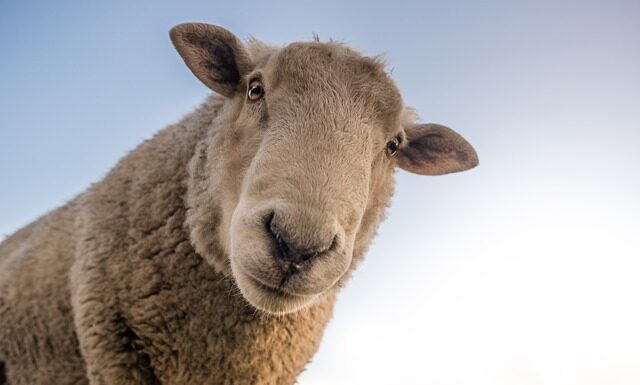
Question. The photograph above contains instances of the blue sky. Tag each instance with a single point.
(523, 270)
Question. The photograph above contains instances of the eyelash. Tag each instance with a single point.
(393, 145)
(255, 90)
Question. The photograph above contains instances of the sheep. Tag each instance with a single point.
(213, 252)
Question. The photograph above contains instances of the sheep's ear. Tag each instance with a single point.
(432, 149)
(215, 55)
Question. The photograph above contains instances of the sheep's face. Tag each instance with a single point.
(304, 161)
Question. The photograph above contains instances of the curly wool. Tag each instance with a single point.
(115, 268)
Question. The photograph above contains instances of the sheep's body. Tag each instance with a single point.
(178, 266)
(38, 344)
(117, 260)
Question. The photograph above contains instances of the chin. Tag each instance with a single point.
(269, 299)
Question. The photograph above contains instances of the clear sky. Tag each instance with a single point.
(523, 271)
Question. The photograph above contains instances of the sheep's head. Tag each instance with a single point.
(301, 160)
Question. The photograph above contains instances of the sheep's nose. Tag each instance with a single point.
(290, 248)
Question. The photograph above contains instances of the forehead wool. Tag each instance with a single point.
(340, 71)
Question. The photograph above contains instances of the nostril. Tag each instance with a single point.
(307, 256)
(334, 243)
(268, 220)
(293, 252)
(282, 249)
(271, 227)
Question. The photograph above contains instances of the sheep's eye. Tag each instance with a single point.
(255, 91)
(392, 146)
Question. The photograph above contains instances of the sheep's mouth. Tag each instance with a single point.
(271, 299)
(277, 291)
